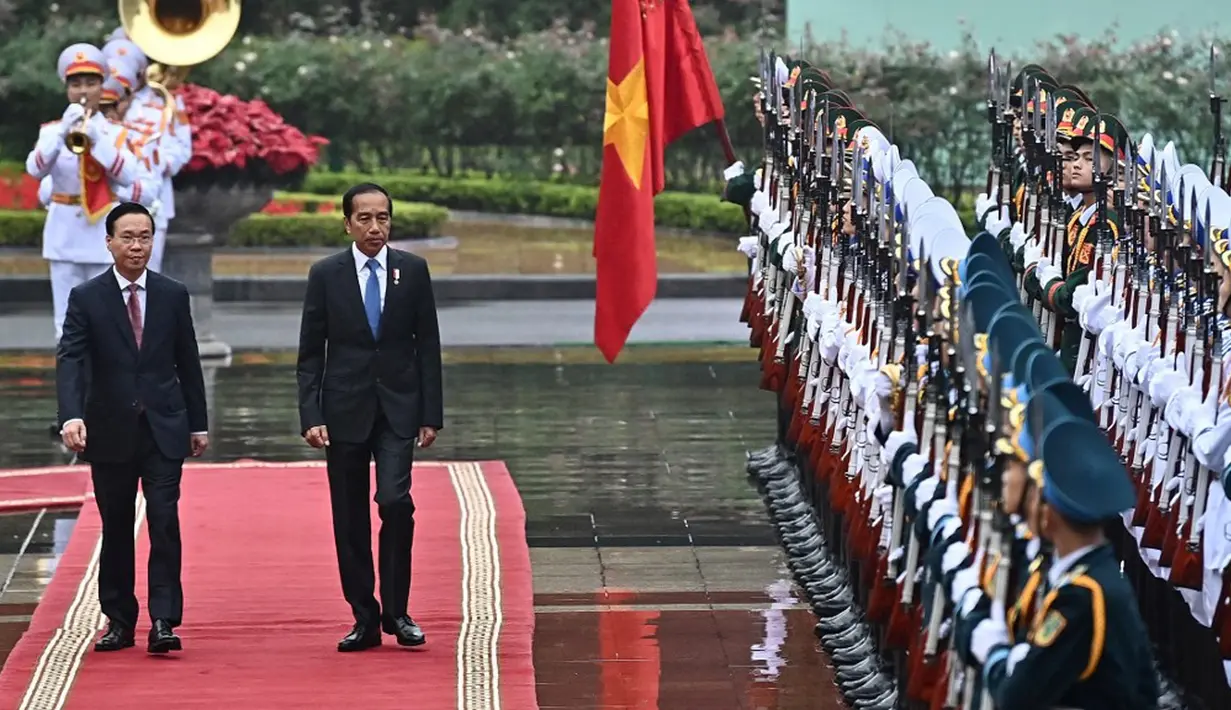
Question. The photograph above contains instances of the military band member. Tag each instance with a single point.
(174, 130)
(83, 187)
(113, 103)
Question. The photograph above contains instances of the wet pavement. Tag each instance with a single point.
(658, 582)
(262, 326)
(472, 246)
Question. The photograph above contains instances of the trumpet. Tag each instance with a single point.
(76, 139)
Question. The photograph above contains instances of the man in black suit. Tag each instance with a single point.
(369, 387)
(128, 373)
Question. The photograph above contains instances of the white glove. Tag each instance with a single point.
(912, 468)
(965, 580)
(954, 556)
(72, 114)
(156, 208)
(1033, 253)
(760, 203)
(748, 246)
(1047, 273)
(895, 441)
(1083, 293)
(1017, 236)
(938, 510)
(94, 128)
(998, 223)
(990, 632)
(734, 170)
(983, 203)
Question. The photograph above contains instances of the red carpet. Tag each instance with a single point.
(264, 610)
(32, 488)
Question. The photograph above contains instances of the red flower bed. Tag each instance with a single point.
(243, 140)
(18, 191)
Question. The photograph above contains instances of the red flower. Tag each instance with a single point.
(230, 132)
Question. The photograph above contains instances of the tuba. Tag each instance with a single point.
(177, 35)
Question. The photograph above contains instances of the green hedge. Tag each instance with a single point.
(24, 228)
(680, 210)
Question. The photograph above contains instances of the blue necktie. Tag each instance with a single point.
(371, 298)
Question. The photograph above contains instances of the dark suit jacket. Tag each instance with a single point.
(344, 372)
(102, 378)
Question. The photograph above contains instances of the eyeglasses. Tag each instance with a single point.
(129, 239)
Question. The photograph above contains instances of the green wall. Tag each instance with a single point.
(999, 24)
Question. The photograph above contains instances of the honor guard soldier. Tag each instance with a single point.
(1056, 282)
(85, 156)
(1087, 647)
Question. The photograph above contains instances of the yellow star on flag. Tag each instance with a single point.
(627, 121)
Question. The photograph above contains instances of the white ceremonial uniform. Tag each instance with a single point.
(75, 246)
(160, 156)
(176, 144)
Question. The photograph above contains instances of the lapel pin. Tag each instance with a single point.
(397, 276)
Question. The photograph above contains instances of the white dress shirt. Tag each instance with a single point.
(361, 271)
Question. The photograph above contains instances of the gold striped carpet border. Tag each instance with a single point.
(478, 662)
(57, 667)
(477, 656)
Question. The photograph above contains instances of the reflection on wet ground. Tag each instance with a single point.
(658, 582)
(472, 247)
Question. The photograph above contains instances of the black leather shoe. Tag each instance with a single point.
(848, 618)
(853, 654)
(844, 639)
(887, 700)
(405, 629)
(117, 638)
(163, 639)
(771, 450)
(361, 638)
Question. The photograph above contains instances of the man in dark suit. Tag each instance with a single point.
(128, 373)
(369, 387)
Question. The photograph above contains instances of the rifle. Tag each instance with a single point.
(1220, 142)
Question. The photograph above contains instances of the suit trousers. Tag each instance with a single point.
(348, 465)
(115, 490)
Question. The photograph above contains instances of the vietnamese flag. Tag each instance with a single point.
(659, 87)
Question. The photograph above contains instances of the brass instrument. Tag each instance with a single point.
(186, 32)
(76, 139)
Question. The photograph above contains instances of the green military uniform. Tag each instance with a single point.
(1081, 241)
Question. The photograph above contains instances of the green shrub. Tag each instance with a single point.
(24, 228)
(680, 210)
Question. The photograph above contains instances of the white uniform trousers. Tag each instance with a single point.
(159, 248)
(64, 276)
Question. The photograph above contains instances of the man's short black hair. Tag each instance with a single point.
(126, 208)
(363, 188)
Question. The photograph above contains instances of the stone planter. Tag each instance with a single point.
(204, 215)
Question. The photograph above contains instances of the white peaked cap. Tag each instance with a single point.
(950, 242)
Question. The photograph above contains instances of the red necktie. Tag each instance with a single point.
(134, 313)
